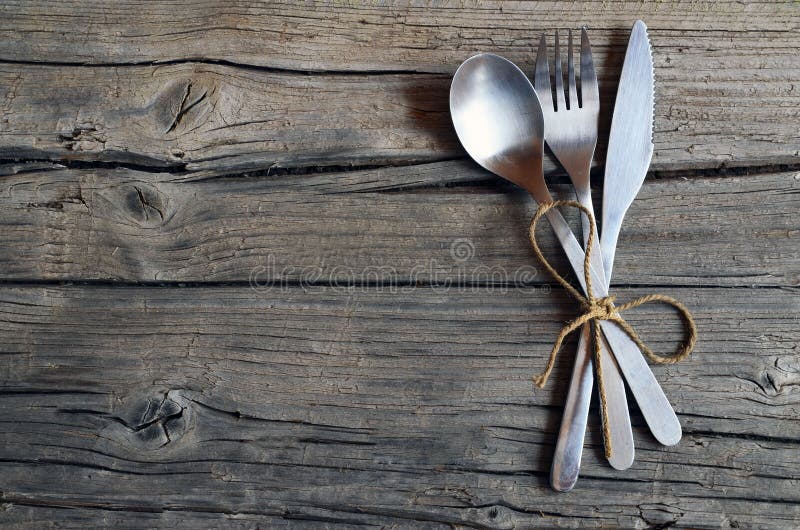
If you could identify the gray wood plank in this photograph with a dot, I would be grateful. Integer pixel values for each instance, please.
(371, 36)
(391, 225)
(725, 82)
(221, 117)
(335, 361)
(362, 406)
(97, 515)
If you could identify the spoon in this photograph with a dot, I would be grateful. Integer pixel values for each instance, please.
(499, 121)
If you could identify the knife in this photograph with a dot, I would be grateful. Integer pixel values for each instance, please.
(630, 148)
(630, 143)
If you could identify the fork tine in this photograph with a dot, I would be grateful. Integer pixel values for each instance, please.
(590, 97)
(573, 91)
(542, 80)
(561, 103)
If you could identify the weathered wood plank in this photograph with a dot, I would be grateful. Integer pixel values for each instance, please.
(213, 116)
(377, 36)
(346, 404)
(402, 400)
(66, 515)
(389, 225)
(230, 119)
(726, 78)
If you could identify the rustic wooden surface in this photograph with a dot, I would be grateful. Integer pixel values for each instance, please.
(249, 279)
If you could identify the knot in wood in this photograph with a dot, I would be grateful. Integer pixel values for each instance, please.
(151, 423)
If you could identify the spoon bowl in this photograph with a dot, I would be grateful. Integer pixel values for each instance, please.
(499, 120)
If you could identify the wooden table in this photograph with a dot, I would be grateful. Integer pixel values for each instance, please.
(250, 279)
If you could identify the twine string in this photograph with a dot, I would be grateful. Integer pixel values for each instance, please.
(603, 308)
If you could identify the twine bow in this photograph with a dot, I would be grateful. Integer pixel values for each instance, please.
(603, 309)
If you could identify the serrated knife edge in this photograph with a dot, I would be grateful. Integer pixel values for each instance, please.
(630, 144)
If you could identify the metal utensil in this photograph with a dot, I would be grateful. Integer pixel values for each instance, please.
(630, 144)
(630, 148)
(571, 133)
(499, 121)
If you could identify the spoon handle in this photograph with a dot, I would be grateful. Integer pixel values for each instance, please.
(575, 253)
(569, 447)
(655, 407)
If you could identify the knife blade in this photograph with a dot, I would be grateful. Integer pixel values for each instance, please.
(630, 143)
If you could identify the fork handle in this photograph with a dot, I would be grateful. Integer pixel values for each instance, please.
(618, 418)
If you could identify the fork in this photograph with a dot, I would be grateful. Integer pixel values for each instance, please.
(571, 133)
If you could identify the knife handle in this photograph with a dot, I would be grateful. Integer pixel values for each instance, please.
(655, 407)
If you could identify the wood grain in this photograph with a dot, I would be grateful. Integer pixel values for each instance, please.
(212, 116)
(389, 225)
(371, 87)
(248, 278)
(374, 36)
(361, 407)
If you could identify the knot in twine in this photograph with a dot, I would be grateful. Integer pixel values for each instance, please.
(603, 308)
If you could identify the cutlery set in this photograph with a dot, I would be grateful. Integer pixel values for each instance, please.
(503, 121)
